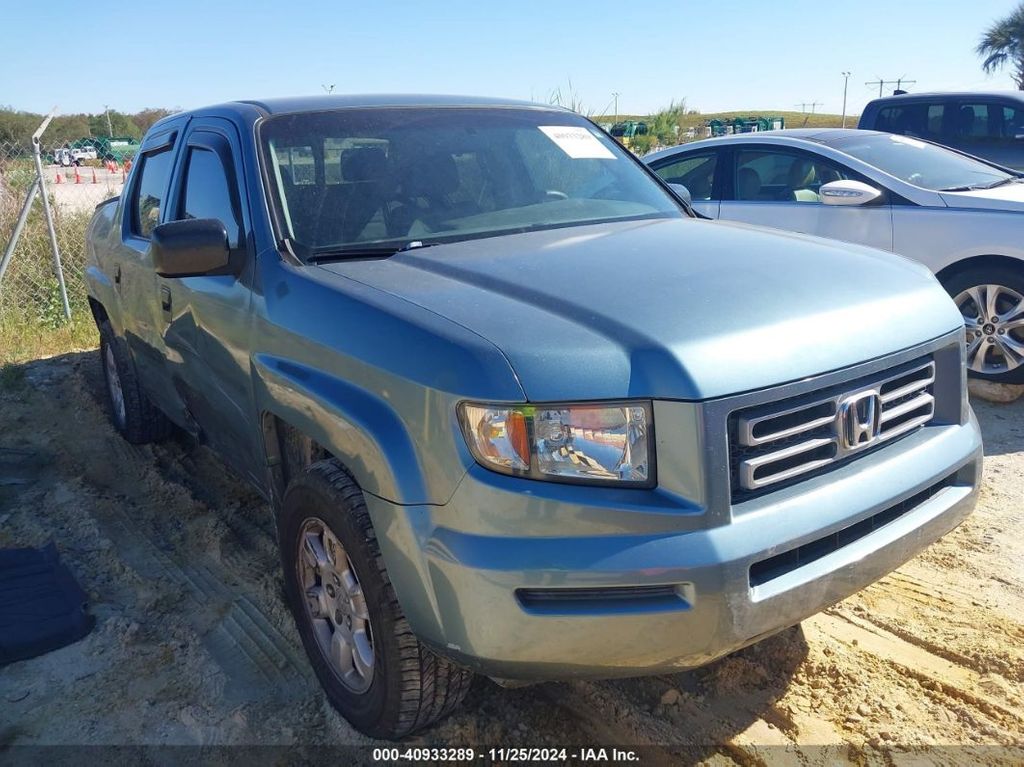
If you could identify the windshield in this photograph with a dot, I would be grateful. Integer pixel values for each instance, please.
(362, 179)
(922, 164)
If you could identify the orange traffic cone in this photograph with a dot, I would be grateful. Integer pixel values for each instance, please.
(94, 176)
(78, 176)
(59, 179)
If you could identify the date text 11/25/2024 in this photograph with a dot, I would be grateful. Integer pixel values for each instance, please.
(505, 754)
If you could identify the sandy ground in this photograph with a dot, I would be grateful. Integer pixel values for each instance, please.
(193, 644)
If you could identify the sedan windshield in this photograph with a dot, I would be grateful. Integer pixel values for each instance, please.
(922, 164)
(367, 181)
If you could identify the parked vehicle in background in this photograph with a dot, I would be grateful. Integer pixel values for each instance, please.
(960, 216)
(627, 130)
(988, 125)
(436, 334)
(83, 152)
(63, 157)
(117, 148)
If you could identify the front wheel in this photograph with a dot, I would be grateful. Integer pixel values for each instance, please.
(992, 303)
(373, 669)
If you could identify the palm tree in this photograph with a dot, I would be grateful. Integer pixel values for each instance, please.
(1003, 44)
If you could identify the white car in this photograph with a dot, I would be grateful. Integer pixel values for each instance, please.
(960, 216)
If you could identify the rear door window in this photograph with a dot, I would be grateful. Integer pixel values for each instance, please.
(694, 171)
(148, 197)
(905, 119)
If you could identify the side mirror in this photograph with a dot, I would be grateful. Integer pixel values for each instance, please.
(191, 248)
(682, 191)
(848, 193)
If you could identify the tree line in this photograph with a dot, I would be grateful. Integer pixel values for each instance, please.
(17, 127)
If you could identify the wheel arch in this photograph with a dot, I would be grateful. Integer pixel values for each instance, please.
(99, 311)
(984, 261)
(307, 415)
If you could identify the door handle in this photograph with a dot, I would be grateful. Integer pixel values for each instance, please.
(165, 298)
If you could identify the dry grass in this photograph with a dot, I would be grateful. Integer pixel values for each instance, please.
(793, 119)
(21, 341)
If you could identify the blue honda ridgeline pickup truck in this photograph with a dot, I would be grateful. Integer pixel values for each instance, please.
(516, 410)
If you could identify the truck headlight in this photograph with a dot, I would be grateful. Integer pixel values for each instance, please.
(596, 444)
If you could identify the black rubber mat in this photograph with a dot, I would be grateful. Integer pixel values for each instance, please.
(42, 607)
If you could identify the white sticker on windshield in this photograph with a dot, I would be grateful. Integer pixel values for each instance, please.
(578, 143)
(908, 141)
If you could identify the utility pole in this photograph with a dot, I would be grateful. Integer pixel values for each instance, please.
(110, 130)
(899, 82)
(615, 97)
(846, 81)
(812, 104)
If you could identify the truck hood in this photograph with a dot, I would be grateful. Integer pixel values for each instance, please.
(668, 309)
(1008, 197)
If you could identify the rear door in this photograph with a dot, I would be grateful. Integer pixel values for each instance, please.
(778, 187)
(205, 319)
(698, 171)
(144, 207)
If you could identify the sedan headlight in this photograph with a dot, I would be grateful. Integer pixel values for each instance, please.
(599, 444)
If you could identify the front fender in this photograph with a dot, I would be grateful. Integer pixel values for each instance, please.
(356, 426)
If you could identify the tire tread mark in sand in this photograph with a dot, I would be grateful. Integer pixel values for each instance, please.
(593, 705)
(956, 681)
(242, 641)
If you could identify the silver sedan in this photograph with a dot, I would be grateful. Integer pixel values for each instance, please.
(958, 215)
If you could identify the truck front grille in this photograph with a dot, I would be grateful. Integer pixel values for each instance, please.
(785, 442)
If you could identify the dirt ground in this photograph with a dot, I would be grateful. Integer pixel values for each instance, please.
(193, 644)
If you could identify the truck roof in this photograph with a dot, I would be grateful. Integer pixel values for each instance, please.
(1017, 95)
(250, 110)
(326, 102)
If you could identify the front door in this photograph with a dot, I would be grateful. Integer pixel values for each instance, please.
(206, 318)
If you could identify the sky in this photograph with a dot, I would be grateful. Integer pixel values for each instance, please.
(757, 55)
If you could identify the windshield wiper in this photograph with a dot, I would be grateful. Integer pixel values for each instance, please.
(977, 187)
(340, 254)
(1002, 182)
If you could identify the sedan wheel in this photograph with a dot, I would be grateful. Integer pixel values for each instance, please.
(994, 317)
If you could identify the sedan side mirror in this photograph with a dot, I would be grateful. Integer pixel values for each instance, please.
(848, 193)
(681, 191)
(191, 248)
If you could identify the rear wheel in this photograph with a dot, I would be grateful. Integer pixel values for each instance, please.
(370, 664)
(992, 303)
(134, 416)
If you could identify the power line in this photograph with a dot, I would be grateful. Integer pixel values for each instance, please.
(899, 82)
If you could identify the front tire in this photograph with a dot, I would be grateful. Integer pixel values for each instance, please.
(992, 303)
(373, 669)
(134, 416)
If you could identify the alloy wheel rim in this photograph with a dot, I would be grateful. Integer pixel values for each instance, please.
(335, 605)
(994, 318)
(114, 385)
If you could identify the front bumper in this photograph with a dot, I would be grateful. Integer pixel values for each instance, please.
(498, 604)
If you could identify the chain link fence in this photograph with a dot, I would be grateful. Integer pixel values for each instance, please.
(75, 181)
